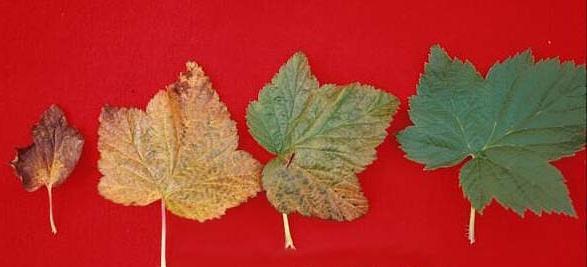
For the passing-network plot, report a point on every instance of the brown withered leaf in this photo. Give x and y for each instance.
(182, 150)
(50, 159)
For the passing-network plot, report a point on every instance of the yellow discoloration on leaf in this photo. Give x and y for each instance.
(322, 137)
(182, 150)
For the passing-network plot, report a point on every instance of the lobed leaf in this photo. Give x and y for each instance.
(182, 150)
(512, 123)
(322, 136)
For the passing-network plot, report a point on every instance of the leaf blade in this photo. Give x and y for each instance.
(330, 139)
(127, 178)
(537, 108)
(51, 158)
(55, 151)
(509, 176)
(280, 102)
(293, 188)
(184, 151)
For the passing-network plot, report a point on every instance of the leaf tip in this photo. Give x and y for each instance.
(107, 112)
(569, 210)
(437, 51)
(54, 108)
(190, 65)
(298, 59)
(527, 52)
(299, 55)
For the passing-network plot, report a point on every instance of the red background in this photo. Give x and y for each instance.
(84, 54)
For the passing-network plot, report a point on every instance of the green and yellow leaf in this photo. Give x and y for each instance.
(322, 137)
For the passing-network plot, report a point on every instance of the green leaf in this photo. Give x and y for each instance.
(280, 102)
(517, 178)
(322, 136)
(512, 123)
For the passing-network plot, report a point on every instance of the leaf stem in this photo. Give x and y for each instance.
(290, 160)
(163, 261)
(472, 226)
(51, 221)
(288, 240)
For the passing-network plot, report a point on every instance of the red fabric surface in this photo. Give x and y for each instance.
(84, 54)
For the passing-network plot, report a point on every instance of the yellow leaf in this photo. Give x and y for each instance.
(182, 150)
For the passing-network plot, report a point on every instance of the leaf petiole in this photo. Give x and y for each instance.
(51, 221)
(288, 240)
(163, 261)
(472, 225)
